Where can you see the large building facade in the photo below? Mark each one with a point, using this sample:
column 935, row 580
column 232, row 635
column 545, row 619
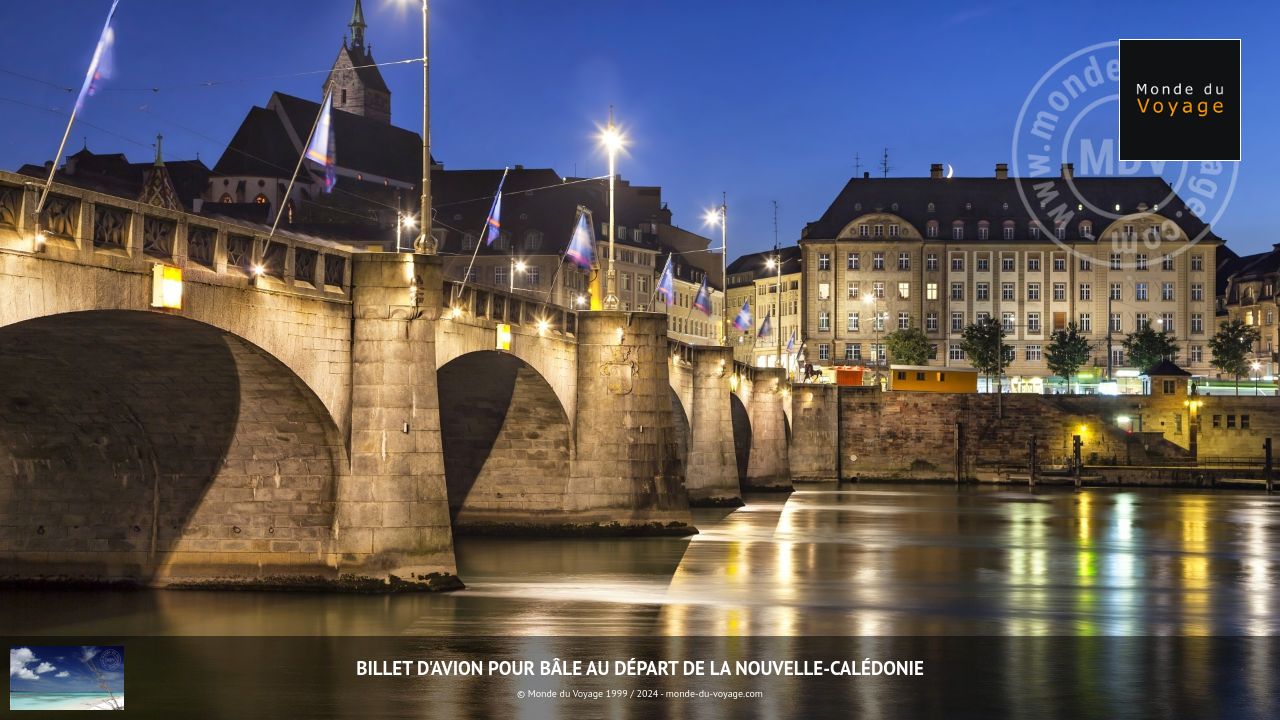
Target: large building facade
column 773, row 291
column 1249, row 294
column 940, row 253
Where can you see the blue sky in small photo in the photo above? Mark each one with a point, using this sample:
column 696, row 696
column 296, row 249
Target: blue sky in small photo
column 59, row 669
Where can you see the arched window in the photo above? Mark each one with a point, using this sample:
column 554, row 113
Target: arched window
column 957, row 230
column 931, row 227
column 261, row 199
column 984, row 230
column 1086, row 229
column 1008, row 229
column 226, row 198
column 931, row 207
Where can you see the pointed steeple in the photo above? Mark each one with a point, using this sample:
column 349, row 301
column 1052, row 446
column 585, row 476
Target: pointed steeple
column 357, row 26
column 157, row 186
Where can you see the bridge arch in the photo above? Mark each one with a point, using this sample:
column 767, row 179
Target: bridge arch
column 507, row 440
column 741, row 435
column 149, row 447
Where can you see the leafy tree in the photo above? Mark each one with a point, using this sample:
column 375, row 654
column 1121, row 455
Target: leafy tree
column 1067, row 351
column 1231, row 346
column 907, row 347
column 1147, row 347
column 983, row 344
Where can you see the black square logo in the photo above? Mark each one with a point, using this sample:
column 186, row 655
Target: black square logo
column 1179, row 100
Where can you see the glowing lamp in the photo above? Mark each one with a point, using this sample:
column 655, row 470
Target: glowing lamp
column 504, row 337
column 543, row 326
column 166, row 287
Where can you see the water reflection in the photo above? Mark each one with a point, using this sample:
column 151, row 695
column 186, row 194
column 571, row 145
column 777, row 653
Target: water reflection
column 838, row 561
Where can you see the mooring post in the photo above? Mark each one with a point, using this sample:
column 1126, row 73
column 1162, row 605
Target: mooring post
column 1266, row 467
column 1076, row 445
column 1031, row 461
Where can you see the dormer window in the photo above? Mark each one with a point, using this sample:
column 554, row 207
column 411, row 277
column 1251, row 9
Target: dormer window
column 1086, row 229
column 931, row 207
column 984, row 230
column 931, row 227
column 957, row 230
column 1007, row 229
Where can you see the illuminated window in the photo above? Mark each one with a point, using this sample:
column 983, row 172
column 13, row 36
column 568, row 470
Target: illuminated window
column 261, row 199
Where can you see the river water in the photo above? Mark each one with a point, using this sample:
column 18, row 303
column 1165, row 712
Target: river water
column 956, row 574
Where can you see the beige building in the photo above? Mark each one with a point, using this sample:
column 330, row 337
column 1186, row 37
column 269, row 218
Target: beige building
column 941, row 253
column 1248, row 293
column 754, row 279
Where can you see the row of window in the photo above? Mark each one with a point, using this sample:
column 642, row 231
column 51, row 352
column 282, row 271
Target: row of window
column 691, row 326
column 1141, row 261
column 1032, row 325
column 1030, row 353
column 1008, row 291
column 1009, row 229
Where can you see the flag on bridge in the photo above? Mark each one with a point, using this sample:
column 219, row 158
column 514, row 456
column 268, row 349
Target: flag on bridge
column 320, row 149
column 743, row 321
column 100, row 65
column 766, row 327
column 791, row 341
column 666, row 284
column 702, row 300
column 493, row 225
column 582, row 247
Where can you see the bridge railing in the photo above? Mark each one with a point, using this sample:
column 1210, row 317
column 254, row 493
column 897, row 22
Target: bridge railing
column 487, row 303
column 93, row 228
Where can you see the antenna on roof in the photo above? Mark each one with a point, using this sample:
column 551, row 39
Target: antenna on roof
column 775, row 226
column 857, row 164
column 884, row 163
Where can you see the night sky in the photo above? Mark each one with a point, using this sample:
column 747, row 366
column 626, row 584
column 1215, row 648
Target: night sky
column 764, row 100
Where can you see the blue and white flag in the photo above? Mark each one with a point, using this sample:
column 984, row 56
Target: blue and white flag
column 702, row 301
column 666, row 284
column 582, row 247
column 791, row 341
column 493, row 225
column 743, row 321
column 766, row 327
column 320, row 149
column 100, row 65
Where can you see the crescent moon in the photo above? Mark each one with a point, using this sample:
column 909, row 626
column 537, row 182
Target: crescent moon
column 950, row 171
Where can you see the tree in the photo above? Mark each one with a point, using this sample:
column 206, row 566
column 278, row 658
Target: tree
column 1147, row 347
column 1066, row 352
column 983, row 344
column 907, row 347
column 1231, row 346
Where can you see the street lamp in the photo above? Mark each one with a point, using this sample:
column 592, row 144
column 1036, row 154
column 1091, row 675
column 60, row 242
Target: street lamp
column 422, row 244
column 407, row 222
column 720, row 216
column 775, row 263
column 870, row 299
column 1257, row 367
column 613, row 140
column 517, row 266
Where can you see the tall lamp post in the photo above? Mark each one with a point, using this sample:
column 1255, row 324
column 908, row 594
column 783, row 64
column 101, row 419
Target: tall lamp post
column 423, row 244
column 1257, row 372
column 720, row 216
column 775, row 263
column 613, row 141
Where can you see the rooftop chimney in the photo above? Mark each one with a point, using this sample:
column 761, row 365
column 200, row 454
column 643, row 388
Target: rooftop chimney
column 866, row 174
column 1002, row 171
column 935, row 171
column 1068, row 170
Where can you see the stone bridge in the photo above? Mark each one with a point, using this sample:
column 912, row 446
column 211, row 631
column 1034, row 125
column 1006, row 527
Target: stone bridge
column 316, row 414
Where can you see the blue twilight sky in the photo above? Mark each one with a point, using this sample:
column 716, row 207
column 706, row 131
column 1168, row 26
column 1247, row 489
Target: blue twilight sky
column 763, row 100
column 57, row 669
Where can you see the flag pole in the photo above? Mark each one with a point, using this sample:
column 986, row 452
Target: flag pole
column 476, row 250
column 301, row 156
column 75, row 109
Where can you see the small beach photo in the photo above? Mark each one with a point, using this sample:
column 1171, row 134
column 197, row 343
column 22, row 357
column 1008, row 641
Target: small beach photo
column 66, row 677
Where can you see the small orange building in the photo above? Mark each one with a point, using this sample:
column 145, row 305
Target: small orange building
column 922, row 378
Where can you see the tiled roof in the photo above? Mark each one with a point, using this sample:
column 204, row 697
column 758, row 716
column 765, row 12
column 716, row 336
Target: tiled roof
column 113, row 174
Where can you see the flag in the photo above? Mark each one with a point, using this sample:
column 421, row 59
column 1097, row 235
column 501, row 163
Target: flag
column 582, row 247
column 493, row 225
column 743, row 320
column 791, row 341
column 766, row 327
column 666, row 284
column 702, row 300
column 100, row 65
column 320, row 149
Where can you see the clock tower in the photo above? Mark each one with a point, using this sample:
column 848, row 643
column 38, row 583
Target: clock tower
column 358, row 87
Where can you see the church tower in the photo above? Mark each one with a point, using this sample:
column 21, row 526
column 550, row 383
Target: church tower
column 357, row 84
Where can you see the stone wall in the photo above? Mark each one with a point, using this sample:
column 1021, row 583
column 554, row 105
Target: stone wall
column 625, row 469
column 767, row 468
column 141, row 447
column 711, row 472
column 814, row 412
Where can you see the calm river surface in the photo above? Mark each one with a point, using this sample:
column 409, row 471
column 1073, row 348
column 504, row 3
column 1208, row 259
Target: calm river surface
column 858, row 560
column 1097, row 603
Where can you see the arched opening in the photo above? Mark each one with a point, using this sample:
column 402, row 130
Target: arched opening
column 741, row 435
column 680, row 429
column 136, row 445
column 506, row 440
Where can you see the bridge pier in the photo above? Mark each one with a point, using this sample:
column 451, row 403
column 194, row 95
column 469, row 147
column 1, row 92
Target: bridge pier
column 711, row 473
column 625, row 474
column 391, row 522
column 768, row 467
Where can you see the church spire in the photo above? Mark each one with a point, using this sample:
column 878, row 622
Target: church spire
column 357, row 26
